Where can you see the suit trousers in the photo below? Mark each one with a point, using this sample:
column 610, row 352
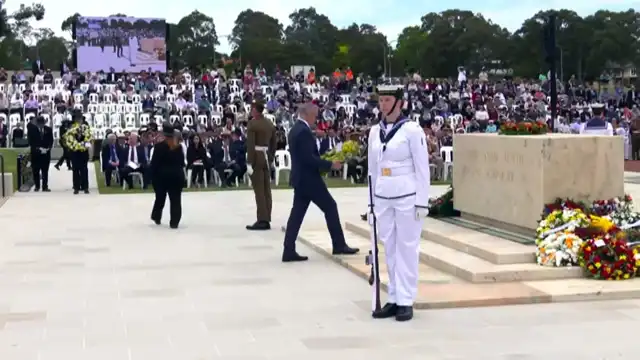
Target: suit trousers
column 65, row 157
column 40, row 165
column 320, row 196
column 79, row 160
column 400, row 232
column 174, row 191
column 261, row 182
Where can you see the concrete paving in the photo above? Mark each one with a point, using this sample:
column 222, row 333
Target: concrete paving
column 89, row 277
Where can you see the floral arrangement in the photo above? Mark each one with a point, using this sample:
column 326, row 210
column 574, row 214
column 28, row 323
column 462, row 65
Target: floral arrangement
column 349, row 149
column 558, row 249
column 607, row 257
column 524, row 128
column 557, row 244
column 615, row 205
column 443, row 206
column 561, row 204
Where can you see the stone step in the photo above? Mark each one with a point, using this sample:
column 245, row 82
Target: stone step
column 437, row 290
column 491, row 248
column 474, row 269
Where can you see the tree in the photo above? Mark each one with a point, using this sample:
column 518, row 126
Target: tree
column 192, row 41
column 21, row 40
column 257, row 39
column 67, row 24
column 311, row 39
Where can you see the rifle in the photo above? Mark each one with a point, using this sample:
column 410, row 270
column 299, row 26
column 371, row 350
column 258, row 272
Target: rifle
column 372, row 258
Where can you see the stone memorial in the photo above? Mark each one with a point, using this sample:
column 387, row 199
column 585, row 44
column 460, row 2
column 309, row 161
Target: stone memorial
column 504, row 181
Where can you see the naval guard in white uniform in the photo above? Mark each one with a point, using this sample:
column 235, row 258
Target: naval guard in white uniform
column 399, row 170
column 597, row 125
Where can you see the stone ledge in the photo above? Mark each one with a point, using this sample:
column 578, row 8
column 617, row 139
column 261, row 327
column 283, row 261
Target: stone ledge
column 474, row 269
column 437, row 290
column 8, row 185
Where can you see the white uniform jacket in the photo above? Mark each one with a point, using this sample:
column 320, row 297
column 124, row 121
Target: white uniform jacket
column 402, row 170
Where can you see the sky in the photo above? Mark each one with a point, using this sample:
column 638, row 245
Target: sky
column 390, row 17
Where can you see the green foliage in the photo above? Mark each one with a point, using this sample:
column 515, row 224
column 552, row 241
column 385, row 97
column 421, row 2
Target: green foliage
column 21, row 40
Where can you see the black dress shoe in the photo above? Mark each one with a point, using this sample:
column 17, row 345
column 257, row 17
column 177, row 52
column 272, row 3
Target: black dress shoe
column 363, row 217
column 36, row 189
column 86, row 191
column 46, row 190
column 156, row 220
column 259, row 225
column 293, row 257
column 75, row 192
column 345, row 251
column 404, row 313
column 387, row 311
column 57, row 167
column 173, row 226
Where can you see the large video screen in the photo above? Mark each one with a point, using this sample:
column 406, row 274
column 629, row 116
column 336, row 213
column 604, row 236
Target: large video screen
column 122, row 43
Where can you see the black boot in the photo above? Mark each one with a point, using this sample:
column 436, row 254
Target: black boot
column 387, row 311
column 259, row 225
column 404, row 313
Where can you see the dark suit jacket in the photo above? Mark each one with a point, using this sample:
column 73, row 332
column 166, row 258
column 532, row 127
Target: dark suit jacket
column 238, row 152
column 37, row 69
column 167, row 166
column 306, row 164
column 124, row 156
column 216, row 151
column 324, row 145
column 39, row 138
column 106, row 156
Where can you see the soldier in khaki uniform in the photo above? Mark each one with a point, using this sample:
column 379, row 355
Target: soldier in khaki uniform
column 261, row 147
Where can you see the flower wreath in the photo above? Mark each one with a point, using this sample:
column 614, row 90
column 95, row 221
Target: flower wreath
column 563, row 204
column 557, row 245
column 560, row 220
column 606, row 257
column 625, row 219
column 614, row 205
column 558, row 249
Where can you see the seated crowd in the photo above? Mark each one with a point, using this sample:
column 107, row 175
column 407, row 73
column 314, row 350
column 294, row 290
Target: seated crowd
column 212, row 110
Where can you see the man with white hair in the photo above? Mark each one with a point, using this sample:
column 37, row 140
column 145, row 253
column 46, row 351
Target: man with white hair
column 134, row 161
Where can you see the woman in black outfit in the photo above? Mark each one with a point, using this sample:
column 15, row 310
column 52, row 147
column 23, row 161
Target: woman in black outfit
column 197, row 159
column 167, row 174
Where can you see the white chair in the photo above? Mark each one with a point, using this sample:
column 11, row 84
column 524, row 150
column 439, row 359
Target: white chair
column 203, row 120
column 283, row 163
column 216, row 119
column 129, row 120
column 271, row 117
column 135, row 177
column 158, row 119
column 189, row 172
column 47, row 119
column 447, row 155
column 135, row 98
column 108, row 98
column 99, row 120
column 187, row 120
column 93, row 98
column 28, row 117
column 144, row 119
column 93, row 108
column 122, row 98
column 115, row 120
column 173, row 118
column 58, row 119
column 78, row 98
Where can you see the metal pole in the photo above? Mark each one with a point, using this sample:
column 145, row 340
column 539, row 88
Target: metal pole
column 384, row 58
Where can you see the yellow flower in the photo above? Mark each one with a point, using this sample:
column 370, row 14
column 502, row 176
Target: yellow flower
column 623, row 257
column 598, row 265
column 626, row 276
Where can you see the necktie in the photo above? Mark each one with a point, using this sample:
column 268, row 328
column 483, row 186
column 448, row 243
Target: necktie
column 131, row 151
column 113, row 153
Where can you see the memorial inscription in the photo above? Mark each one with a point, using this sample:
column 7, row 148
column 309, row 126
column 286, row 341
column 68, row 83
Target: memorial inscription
column 494, row 166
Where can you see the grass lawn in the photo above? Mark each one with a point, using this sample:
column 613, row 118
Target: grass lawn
column 10, row 156
column 114, row 189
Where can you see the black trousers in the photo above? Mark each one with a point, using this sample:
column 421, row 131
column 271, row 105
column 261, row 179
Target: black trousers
column 40, row 166
column 174, row 191
column 65, row 157
column 79, row 160
column 108, row 174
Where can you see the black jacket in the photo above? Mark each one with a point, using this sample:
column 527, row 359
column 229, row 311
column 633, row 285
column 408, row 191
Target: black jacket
column 167, row 166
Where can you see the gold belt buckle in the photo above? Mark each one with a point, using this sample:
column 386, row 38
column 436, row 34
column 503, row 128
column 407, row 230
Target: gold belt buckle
column 386, row 172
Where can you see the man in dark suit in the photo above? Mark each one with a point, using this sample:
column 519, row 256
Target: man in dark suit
column 308, row 186
column 133, row 159
column 238, row 155
column 40, row 138
column 110, row 156
column 37, row 67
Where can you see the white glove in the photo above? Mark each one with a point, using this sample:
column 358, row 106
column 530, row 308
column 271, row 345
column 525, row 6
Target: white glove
column 273, row 165
column 421, row 212
column 370, row 216
column 249, row 170
column 43, row 150
column 87, row 144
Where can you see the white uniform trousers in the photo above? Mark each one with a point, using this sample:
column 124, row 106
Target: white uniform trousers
column 400, row 233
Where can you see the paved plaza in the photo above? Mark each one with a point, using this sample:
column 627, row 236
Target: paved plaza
column 88, row 277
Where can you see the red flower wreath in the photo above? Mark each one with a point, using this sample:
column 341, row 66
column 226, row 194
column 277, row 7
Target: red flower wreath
column 608, row 258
